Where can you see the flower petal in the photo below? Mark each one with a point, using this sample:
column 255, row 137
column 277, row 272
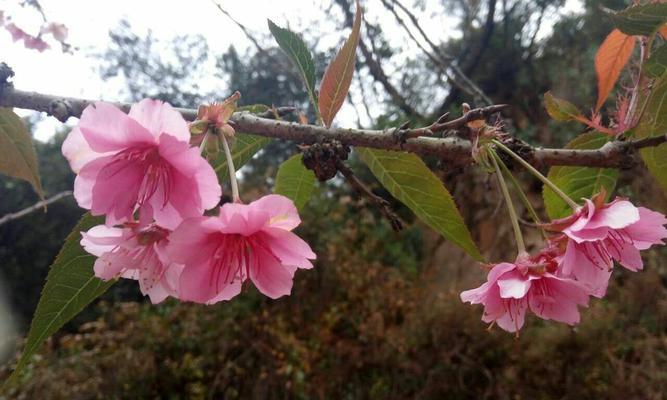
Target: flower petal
column 159, row 117
column 106, row 128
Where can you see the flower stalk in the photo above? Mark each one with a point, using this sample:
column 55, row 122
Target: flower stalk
column 232, row 171
column 520, row 245
column 538, row 175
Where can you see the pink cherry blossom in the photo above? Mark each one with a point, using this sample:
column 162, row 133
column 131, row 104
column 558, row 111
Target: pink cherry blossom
column 134, row 252
column 252, row 241
column 600, row 234
column 59, row 31
column 141, row 161
column 512, row 289
column 29, row 41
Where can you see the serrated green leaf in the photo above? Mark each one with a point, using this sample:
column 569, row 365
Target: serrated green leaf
column 17, row 155
column 578, row 182
column 559, row 109
column 641, row 20
column 656, row 65
column 70, row 286
column 409, row 180
column 298, row 52
column 654, row 123
column 295, row 181
column 244, row 148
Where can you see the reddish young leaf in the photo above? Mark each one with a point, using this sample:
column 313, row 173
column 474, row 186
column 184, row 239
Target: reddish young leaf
column 663, row 31
column 610, row 59
column 338, row 76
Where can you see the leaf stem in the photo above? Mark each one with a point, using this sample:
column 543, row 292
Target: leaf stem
column 520, row 245
column 538, row 175
column 232, row 171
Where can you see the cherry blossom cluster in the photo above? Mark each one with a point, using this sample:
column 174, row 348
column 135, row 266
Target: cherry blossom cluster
column 141, row 172
column 35, row 42
column 577, row 263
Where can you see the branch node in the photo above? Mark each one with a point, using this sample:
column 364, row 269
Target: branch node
column 6, row 73
column 60, row 109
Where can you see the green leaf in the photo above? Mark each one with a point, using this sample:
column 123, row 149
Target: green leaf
column 295, row 181
column 70, row 286
column 245, row 147
column 298, row 52
column 409, row 180
column 338, row 76
column 654, row 123
column 17, row 155
column 578, row 182
column 641, row 20
column 559, row 109
column 656, row 65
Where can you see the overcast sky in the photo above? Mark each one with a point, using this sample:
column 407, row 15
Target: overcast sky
column 89, row 22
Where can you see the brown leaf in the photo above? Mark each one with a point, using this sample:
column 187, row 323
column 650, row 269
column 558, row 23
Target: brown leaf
column 17, row 154
column 610, row 59
column 338, row 76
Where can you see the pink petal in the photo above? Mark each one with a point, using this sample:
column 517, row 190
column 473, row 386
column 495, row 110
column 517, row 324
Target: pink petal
column 101, row 239
column 116, row 188
column 477, row 295
column 649, row 230
column 195, row 186
column 270, row 276
column 617, row 215
column 558, row 301
column 513, row 285
column 588, row 267
column 76, row 150
column 288, row 247
column 628, row 256
column 241, row 219
column 196, row 284
column 109, row 266
column 513, row 319
column 585, row 214
column 106, row 129
column 283, row 212
column 159, row 117
column 194, row 240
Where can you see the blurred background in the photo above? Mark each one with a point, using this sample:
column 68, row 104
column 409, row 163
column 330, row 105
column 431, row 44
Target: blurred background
column 379, row 317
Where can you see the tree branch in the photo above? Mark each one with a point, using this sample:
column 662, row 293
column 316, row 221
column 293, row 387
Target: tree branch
column 616, row 154
column 12, row 216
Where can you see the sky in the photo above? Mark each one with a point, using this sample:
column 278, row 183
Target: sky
column 89, row 23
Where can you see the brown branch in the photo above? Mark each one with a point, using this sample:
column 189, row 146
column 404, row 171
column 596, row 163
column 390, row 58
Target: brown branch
column 616, row 154
column 40, row 204
column 383, row 205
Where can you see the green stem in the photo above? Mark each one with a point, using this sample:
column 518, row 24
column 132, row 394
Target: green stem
column 202, row 145
column 232, row 171
column 522, row 194
column 520, row 246
column 538, row 175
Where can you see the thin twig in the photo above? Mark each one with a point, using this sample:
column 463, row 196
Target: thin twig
column 382, row 204
column 245, row 30
column 40, row 204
